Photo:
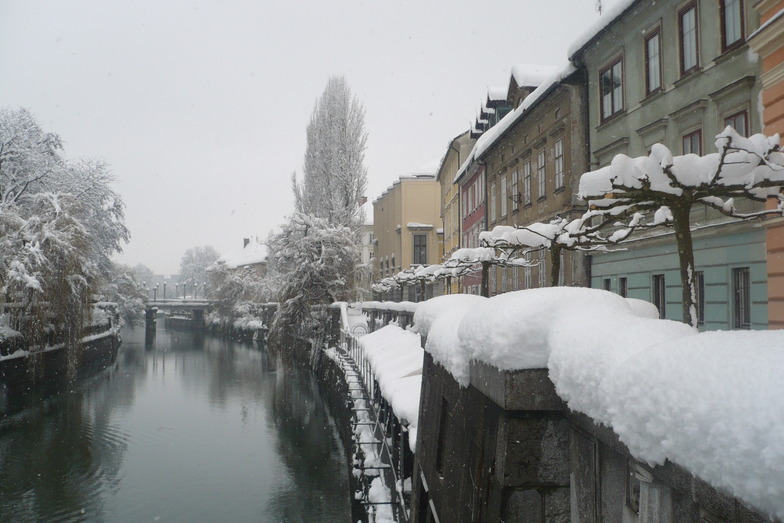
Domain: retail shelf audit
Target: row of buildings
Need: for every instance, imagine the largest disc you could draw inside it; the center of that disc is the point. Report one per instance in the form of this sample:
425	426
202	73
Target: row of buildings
674	72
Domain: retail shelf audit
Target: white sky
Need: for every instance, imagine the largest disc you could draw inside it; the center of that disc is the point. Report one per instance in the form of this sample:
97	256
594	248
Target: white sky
200	108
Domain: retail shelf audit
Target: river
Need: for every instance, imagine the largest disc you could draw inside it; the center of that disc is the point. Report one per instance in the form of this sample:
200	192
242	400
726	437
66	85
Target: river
183	428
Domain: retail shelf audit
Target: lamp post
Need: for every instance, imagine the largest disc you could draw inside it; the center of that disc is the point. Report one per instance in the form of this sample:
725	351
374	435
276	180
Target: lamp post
184	294
176	290
164	290
155	293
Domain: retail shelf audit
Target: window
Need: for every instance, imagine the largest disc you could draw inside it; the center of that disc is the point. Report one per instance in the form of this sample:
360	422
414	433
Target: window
611	89
527	182
653	62
503	196
393	266
741	290
542	268
558	155
687	24
692	143
420	249
515	190
738	121
540	173
659	295
492	202
623	287
731	23
527	274
607	284
699	283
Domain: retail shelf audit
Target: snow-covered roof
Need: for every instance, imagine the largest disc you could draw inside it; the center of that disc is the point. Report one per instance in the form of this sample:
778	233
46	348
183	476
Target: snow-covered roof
426	171
531	75
484	142
608	17
496	94
253	253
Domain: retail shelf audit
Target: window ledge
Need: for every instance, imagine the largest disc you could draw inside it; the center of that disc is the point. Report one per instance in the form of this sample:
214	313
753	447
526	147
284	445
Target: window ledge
730	52
687	76
652	96
560	189
612	118
541	199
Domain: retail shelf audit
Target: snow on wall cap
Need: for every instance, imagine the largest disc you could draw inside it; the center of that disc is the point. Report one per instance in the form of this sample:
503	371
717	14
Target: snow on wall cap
489	137
531	75
608	17
415	225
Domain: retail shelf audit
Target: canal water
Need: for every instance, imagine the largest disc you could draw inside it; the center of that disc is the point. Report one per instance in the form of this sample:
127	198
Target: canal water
183	428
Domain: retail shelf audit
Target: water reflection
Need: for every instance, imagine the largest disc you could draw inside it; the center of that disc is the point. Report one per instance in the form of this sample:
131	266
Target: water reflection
183	428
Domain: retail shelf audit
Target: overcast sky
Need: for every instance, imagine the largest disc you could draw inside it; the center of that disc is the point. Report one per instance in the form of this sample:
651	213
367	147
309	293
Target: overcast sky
200	108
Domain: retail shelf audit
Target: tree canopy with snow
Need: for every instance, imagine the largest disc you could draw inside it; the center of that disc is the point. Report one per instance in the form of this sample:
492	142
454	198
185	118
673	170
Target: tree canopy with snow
313	261
334	174
195	262
661	189
60	222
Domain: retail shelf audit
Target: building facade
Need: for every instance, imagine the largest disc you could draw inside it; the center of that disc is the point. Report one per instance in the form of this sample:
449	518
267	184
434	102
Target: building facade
406	222
534	167
456	152
768	43
677	73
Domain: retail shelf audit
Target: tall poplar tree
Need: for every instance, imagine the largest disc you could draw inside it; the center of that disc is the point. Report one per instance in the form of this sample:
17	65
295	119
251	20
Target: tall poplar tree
334	174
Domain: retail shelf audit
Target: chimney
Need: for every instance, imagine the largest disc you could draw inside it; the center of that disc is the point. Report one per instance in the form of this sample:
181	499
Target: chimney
245	242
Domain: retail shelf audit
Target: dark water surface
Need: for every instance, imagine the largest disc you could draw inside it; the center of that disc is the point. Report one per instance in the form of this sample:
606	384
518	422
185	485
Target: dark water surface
187	428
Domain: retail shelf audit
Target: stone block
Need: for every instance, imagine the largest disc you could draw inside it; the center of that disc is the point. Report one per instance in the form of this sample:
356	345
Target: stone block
528	390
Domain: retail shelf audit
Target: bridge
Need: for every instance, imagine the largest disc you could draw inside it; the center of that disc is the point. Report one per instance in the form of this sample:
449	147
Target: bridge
195	309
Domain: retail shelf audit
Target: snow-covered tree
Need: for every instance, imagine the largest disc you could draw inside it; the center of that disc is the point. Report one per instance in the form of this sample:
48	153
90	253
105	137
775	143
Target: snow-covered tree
334	175
661	189
237	293
467	260
195	262
60	222
127	292
313	260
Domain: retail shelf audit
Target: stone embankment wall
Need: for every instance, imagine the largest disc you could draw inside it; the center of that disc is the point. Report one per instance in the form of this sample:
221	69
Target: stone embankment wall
507	448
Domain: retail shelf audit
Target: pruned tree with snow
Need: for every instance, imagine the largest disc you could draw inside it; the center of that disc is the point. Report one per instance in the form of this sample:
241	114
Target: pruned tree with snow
661	189
237	293
466	260
334	175
313	260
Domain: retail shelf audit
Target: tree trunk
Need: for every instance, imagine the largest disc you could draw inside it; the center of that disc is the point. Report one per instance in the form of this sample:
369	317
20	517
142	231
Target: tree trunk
555	264
486	279
683	239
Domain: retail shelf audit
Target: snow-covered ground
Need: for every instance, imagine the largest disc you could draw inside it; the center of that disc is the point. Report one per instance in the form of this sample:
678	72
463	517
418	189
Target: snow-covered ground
711	402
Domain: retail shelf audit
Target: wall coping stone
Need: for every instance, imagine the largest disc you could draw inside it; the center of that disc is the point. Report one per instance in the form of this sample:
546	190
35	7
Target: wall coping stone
527	389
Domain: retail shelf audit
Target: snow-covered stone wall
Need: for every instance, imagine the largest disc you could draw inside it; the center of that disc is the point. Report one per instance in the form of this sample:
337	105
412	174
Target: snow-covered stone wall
709	402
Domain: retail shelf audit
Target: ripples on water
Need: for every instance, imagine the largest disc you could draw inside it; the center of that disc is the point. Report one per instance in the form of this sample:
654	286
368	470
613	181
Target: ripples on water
185	429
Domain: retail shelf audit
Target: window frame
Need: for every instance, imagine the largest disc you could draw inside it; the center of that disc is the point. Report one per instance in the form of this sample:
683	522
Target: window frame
558	160
690	6
741	298
516	196
493	208
659	294
741	25
623	287
502	196
415	249
733	117
618	60
527	182
541	174
689	136
699	284
651	34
